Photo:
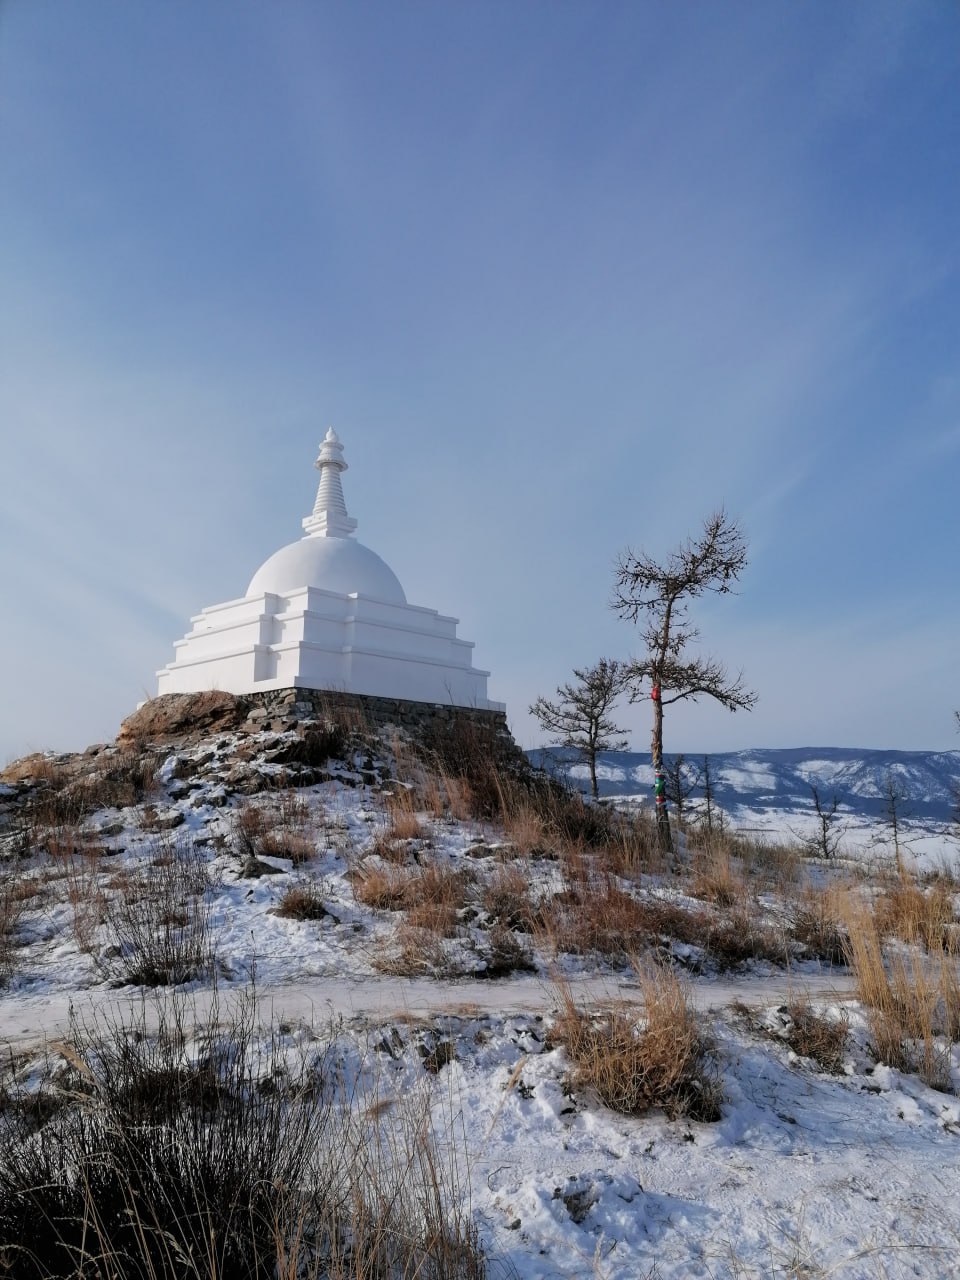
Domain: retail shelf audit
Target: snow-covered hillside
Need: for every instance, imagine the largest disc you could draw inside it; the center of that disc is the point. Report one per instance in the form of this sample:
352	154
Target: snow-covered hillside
781	779
433	953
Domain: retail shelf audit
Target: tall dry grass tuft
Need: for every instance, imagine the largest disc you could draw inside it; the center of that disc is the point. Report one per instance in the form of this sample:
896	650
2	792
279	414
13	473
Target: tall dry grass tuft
915	914
718	877
383	888
912	1004
655	1057
304	901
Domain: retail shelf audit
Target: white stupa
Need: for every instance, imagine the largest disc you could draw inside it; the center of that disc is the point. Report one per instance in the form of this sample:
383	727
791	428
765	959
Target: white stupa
327	613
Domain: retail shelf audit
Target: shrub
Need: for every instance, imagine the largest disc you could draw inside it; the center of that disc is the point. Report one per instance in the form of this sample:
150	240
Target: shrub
657	1057
227	1164
159	920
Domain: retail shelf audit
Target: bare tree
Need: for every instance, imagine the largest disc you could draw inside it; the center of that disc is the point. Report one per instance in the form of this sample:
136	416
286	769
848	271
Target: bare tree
683	779
656	597
581	719
895	797
712	817
828	832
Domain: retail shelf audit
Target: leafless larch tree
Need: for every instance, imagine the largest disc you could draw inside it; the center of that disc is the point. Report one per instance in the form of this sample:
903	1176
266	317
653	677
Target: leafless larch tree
580	717
657	597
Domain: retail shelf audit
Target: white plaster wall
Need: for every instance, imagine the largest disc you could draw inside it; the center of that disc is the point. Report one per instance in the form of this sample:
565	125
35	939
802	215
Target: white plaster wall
317	639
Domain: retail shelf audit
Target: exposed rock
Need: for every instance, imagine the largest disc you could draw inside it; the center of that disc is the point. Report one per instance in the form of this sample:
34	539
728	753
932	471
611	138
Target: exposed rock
253	868
160	819
37	767
183	717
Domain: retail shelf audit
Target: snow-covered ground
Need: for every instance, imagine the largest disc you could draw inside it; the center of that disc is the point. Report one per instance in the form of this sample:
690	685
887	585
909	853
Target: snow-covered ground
805	1174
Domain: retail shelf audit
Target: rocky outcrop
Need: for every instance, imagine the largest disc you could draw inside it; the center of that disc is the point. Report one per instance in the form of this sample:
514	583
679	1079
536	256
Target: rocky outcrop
181	717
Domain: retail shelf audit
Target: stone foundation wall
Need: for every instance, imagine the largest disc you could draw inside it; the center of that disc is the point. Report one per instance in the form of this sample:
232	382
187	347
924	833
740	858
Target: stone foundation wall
376	713
184	716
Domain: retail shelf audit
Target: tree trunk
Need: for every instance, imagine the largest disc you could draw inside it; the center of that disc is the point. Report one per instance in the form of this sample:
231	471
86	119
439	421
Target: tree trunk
659	777
592	761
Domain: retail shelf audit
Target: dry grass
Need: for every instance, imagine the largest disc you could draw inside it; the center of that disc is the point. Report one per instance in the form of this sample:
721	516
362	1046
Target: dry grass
818	922
405	825
633	847
596	916
383	888
417	952
718	878
459	797
816	1036
740	935
439	918
913	1005
11	910
297	848
159	916
422	889
524	828
87	897
277	831
305	901
778	868
504	953
924	916
654	1058
434	883
506	898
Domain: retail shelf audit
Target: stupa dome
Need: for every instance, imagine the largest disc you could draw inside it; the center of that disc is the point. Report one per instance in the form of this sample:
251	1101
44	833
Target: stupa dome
333	564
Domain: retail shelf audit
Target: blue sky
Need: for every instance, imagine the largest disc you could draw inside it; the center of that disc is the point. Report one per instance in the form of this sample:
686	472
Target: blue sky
564	277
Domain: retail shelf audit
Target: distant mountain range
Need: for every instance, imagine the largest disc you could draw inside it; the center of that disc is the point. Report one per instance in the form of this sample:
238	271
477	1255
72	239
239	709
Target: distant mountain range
780	780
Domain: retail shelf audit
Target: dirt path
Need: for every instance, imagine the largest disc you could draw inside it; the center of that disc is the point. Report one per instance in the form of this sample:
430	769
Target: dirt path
26	1019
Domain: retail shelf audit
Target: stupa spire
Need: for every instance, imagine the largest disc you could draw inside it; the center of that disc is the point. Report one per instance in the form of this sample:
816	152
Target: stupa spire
329	517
